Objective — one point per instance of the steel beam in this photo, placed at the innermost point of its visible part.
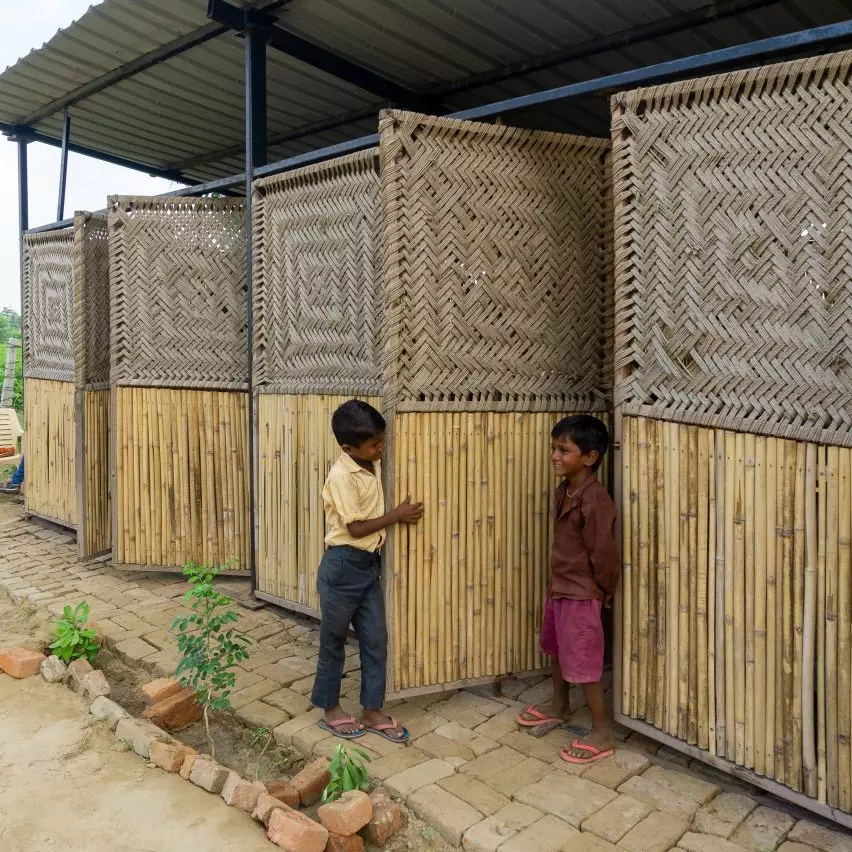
(63, 165)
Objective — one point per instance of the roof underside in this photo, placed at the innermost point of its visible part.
(186, 113)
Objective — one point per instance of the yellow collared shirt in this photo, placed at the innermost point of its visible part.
(352, 493)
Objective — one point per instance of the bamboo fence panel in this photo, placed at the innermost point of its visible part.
(498, 318)
(180, 477)
(772, 665)
(94, 527)
(50, 472)
(296, 449)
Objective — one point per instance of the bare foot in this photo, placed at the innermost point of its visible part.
(335, 714)
(598, 740)
(372, 718)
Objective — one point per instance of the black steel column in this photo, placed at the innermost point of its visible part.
(256, 155)
(63, 167)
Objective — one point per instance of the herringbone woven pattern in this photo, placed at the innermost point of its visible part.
(48, 270)
(91, 300)
(733, 200)
(178, 306)
(318, 307)
(496, 266)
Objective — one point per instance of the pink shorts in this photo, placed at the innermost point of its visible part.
(572, 631)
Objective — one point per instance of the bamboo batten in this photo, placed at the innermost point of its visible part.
(763, 634)
(469, 583)
(93, 448)
(180, 491)
(296, 449)
(50, 487)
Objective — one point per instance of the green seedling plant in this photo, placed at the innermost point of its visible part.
(209, 649)
(348, 772)
(279, 758)
(73, 640)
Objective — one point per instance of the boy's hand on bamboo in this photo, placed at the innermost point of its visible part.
(408, 512)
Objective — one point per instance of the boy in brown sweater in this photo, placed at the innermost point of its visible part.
(584, 573)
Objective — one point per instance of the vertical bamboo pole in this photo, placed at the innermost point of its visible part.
(771, 606)
(821, 652)
(651, 500)
(478, 545)
(730, 595)
(808, 503)
(692, 582)
(490, 580)
(832, 610)
(712, 516)
(739, 570)
(634, 561)
(787, 626)
(460, 443)
(540, 520)
(511, 503)
(844, 617)
(470, 547)
(498, 486)
(799, 502)
(759, 536)
(643, 539)
(702, 510)
(721, 578)
(780, 572)
(422, 596)
(629, 425)
(661, 567)
(749, 569)
(440, 549)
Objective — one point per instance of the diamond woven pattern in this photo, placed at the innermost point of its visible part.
(496, 266)
(48, 271)
(318, 309)
(733, 245)
(178, 306)
(91, 300)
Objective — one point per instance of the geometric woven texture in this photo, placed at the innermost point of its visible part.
(177, 274)
(733, 250)
(48, 267)
(496, 266)
(318, 306)
(91, 300)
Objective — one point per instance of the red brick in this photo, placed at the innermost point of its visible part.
(286, 793)
(311, 781)
(266, 804)
(176, 712)
(20, 663)
(186, 769)
(348, 815)
(160, 689)
(294, 832)
(208, 775)
(241, 794)
(341, 843)
(169, 756)
(386, 820)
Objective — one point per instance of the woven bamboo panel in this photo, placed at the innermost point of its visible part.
(318, 301)
(733, 197)
(178, 306)
(180, 487)
(467, 585)
(91, 300)
(50, 490)
(93, 507)
(496, 266)
(48, 269)
(296, 449)
(736, 605)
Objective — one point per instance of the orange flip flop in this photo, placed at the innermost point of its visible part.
(595, 754)
(539, 720)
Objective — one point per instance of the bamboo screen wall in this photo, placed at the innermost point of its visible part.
(318, 332)
(496, 272)
(179, 378)
(48, 271)
(733, 197)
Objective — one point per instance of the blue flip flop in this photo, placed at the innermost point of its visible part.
(332, 728)
(382, 731)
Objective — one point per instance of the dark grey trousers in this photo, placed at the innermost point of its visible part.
(350, 590)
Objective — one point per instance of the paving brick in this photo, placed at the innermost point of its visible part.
(306, 740)
(400, 760)
(266, 804)
(437, 746)
(422, 723)
(134, 650)
(477, 794)
(460, 713)
(53, 669)
(530, 746)
(108, 711)
(188, 763)
(477, 743)
(284, 733)
(327, 747)
(491, 833)
(613, 771)
(659, 797)
(139, 734)
(528, 771)
(656, 833)
(77, 671)
(311, 781)
(448, 814)
(789, 846)
(763, 830)
(615, 819)
(95, 685)
(642, 743)
(498, 726)
(348, 815)
(159, 689)
(539, 693)
(812, 834)
(260, 715)
(589, 843)
(209, 775)
(691, 842)
(493, 763)
(549, 834)
(251, 693)
(570, 799)
(169, 756)
(295, 832)
(701, 791)
(469, 699)
(411, 780)
(289, 701)
(724, 814)
(241, 794)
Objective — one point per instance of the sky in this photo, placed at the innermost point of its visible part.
(25, 26)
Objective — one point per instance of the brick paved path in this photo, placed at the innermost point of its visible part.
(469, 772)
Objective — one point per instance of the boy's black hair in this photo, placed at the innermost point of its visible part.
(587, 432)
(356, 421)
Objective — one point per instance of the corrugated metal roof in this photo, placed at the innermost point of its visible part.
(189, 109)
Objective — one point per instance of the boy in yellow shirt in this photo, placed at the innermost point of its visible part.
(349, 579)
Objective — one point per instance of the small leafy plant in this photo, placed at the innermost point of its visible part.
(209, 649)
(73, 640)
(278, 758)
(348, 772)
